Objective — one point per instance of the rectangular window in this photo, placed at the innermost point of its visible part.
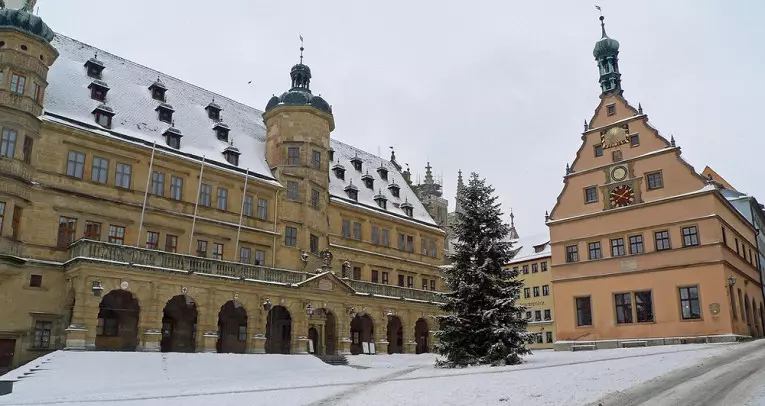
(617, 247)
(725, 236)
(293, 156)
(75, 164)
(293, 191)
(27, 149)
(410, 282)
(35, 281)
(401, 241)
(401, 280)
(316, 159)
(384, 278)
(423, 246)
(100, 170)
(654, 180)
(315, 199)
(544, 266)
(38, 93)
(17, 83)
(385, 237)
(549, 337)
(123, 174)
(8, 143)
(594, 250)
(537, 315)
(205, 195)
(375, 276)
(546, 290)
(526, 293)
(176, 187)
(222, 201)
(314, 243)
(590, 195)
(643, 306)
(623, 303)
(548, 315)
(610, 110)
(737, 248)
(346, 228)
(217, 252)
(375, 235)
(598, 150)
(67, 226)
(634, 140)
(636, 244)
(171, 243)
(690, 236)
(572, 253)
(525, 269)
(424, 284)
(42, 334)
(158, 183)
(583, 311)
(290, 236)
(689, 303)
(16, 221)
(245, 255)
(357, 231)
(433, 285)
(357, 273)
(92, 231)
(432, 249)
(662, 240)
(202, 248)
(262, 209)
(528, 315)
(249, 203)
(536, 291)
(152, 240)
(534, 268)
(116, 234)
(260, 257)
(2, 215)
(410, 243)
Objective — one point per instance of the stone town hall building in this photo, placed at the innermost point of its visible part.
(140, 212)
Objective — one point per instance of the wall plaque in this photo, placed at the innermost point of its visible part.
(628, 265)
(325, 284)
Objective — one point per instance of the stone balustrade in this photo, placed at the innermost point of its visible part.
(393, 291)
(15, 168)
(9, 246)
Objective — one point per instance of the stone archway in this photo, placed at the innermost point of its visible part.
(179, 325)
(117, 328)
(362, 331)
(422, 336)
(330, 333)
(232, 328)
(278, 331)
(395, 335)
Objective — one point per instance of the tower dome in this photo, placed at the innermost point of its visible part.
(23, 20)
(300, 92)
(605, 46)
(606, 53)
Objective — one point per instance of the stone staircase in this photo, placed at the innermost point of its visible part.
(333, 359)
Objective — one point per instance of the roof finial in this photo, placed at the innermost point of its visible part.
(640, 108)
(602, 24)
(547, 216)
(586, 126)
(568, 168)
(301, 49)
(512, 218)
(672, 139)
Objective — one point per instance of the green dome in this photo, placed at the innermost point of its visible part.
(606, 46)
(25, 22)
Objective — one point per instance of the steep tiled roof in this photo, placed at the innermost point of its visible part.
(68, 99)
(532, 247)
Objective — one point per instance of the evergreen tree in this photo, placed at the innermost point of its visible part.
(483, 323)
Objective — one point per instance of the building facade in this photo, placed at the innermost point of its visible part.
(645, 250)
(140, 212)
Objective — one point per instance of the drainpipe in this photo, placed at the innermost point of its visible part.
(276, 215)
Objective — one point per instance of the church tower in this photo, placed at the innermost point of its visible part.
(298, 126)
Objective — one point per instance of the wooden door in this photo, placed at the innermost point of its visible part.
(7, 347)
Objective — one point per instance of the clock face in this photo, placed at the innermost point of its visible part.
(613, 137)
(622, 195)
(619, 173)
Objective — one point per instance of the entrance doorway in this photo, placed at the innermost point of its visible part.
(278, 331)
(179, 325)
(421, 336)
(117, 328)
(7, 348)
(330, 333)
(313, 336)
(362, 334)
(395, 335)
(232, 328)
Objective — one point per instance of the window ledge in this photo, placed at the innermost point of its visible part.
(691, 320)
(38, 288)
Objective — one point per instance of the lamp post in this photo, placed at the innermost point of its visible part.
(731, 281)
(97, 288)
(309, 310)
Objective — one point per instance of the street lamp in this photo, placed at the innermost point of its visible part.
(389, 314)
(731, 281)
(97, 288)
(267, 305)
(309, 310)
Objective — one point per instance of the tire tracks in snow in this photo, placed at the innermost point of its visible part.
(359, 389)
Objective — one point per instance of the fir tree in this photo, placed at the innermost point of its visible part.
(483, 323)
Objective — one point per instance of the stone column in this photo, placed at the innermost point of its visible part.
(81, 333)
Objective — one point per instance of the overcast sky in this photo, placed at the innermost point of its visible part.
(500, 87)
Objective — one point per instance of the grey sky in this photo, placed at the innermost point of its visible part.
(497, 87)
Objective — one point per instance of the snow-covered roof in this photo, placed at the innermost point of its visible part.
(69, 99)
(532, 247)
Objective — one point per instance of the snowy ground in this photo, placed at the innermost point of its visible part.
(547, 378)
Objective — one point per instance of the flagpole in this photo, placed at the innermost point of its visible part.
(196, 206)
(146, 193)
(241, 212)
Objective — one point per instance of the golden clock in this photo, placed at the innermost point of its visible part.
(613, 137)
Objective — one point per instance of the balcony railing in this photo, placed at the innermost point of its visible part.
(9, 247)
(141, 257)
(15, 167)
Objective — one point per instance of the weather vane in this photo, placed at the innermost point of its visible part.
(598, 7)
(301, 49)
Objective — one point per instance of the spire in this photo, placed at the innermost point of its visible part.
(460, 186)
(672, 140)
(606, 53)
(301, 49)
(428, 174)
(586, 126)
(300, 73)
(640, 108)
(512, 218)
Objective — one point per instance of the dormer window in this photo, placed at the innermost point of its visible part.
(331, 152)
(381, 200)
(368, 180)
(221, 131)
(394, 189)
(352, 191)
(339, 171)
(383, 173)
(165, 112)
(103, 115)
(94, 67)
(213, 110)
(158, 90)
(356, 161)
(98, 90)
(173, 137)
(232, 155)
(407, 208)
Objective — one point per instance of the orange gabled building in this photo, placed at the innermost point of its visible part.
(645, 250)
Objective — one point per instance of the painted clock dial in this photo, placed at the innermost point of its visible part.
(622, 195)
(618, 173)
(615, 136)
